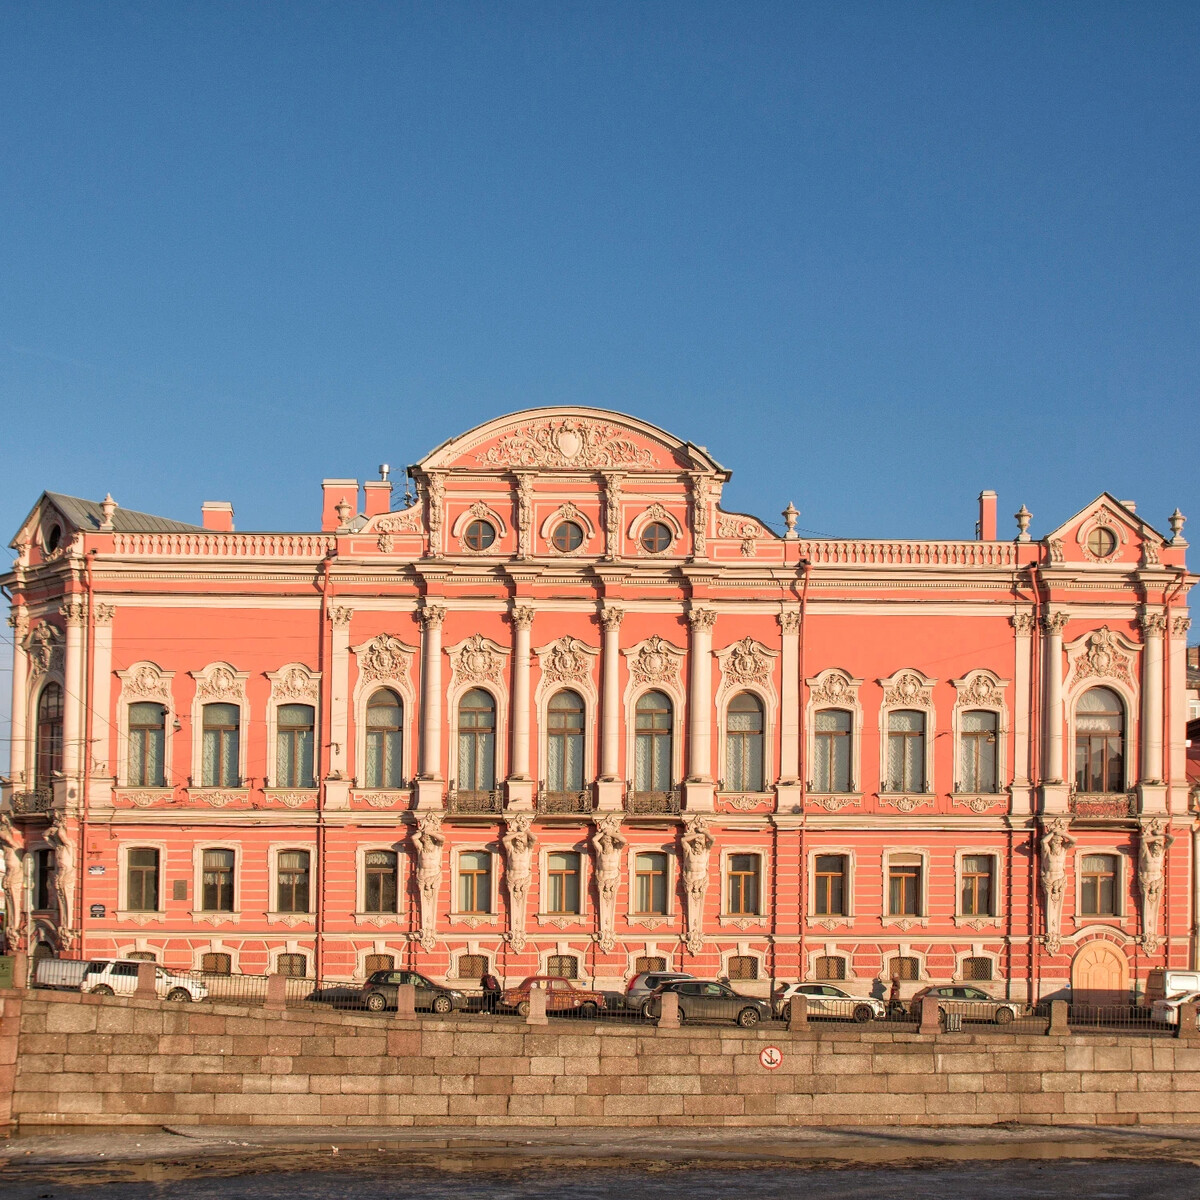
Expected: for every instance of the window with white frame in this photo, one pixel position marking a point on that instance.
(904, 879)
(563, 872)
(650, 884)
(1099, 885)
(294, 745)
(141, 879)
(743, 884)
(906, 751)
(48, 760)
(978, 740)
(292, 881)
(217, 880)
(1100, 741)
(477, 742)
(831, 885)
(652, 747)
(385, 740)
(977, 886)
(564, 743)
(222, 729)
(744, 755)
(475, 881)
(832, 745)
(146, 764)
(380, 881)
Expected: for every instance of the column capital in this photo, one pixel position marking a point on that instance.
(432, 616)
(1180, 626)
(340, 616)
(789, 620)
(1154, 624)
(1055, 622)
(702, 619)
(1022, 623)
(611, 617)
(19, 620)
(522, 616)
(74, 612)
(105, 613)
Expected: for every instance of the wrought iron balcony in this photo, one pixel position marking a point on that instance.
(653, 804)
(564, 803)
(472, 803)
(1109, 805)
(40, 800)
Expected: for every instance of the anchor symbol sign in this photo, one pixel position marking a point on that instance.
(771, 1058)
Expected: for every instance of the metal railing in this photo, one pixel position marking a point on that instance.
(653, 804)
(472, 803)
(564, 803)
(40, 800)
(1103, 804)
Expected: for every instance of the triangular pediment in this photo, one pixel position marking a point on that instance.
(1131, 539)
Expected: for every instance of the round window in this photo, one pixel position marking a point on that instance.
(1102, 542)
(480, 535)
(567, 536)
(656, 537)
(53, 538)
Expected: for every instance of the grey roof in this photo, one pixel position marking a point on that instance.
(86, 515)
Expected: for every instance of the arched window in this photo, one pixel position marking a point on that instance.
(294, 746)
(652, 751)
(1100, 742)
(564, 743)
(906, 751)
(385, 728)
(49, 734)
(831, 771)
(477, 742)
(221, 729)
(744, 744)
(977, 752)
(147, 742)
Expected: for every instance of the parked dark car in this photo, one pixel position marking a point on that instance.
(970, 1003)
(708, 1000)
(379, 992)
(642, 986)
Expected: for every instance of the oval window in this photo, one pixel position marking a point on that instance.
(1102, 542)
(567, 536)
(480, 535)
(656, 537)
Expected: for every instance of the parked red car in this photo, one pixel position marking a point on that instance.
(561, 996)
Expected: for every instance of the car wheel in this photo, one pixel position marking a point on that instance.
(645, 1010)
(523, 1009)
(442, 1005)
(376, 1002)
(863, 1013)
(179, 995)
(1004, 1016)
(748, 1017)
(102, 989)
(588, 1010)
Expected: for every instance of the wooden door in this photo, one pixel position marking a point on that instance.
(1099, 974)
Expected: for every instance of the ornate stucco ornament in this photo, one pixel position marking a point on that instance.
(1104, 658)
(608, 844)
(221, 684)
(295, 683)
(1054, 845)
(477, 659)
(518, 843)
(383, 657)
(656, 661)
(746, 661)
(569, 444)
(697, 847)
(567, 660)
(907, 688)
(45, 648)
(745, 529)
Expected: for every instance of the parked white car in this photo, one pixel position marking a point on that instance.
(826, 1000)
(1166, 1012)
(119, 978)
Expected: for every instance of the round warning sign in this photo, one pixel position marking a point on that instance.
(771, 1058)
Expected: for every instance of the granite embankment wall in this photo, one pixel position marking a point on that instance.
(67, 1059)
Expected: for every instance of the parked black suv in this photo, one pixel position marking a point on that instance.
(379, 992)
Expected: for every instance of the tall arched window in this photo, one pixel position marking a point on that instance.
(221, 729)
(294, 746)
(977, 752)
(147, 742)
(652, 751)
(831, 738)
(49, 734)
(1100, 741)
(477, 742)
(906, 751)
(385, 725)
(564, 743)
(744, 744)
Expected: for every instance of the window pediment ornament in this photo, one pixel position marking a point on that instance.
(45, 649)
(746, 661)
(1103, 518)
(479, 511)
(294, 683)
(220, 683)
(567, 512)
(567, 660)
(908, 689)
(1103, 654)
(655, 660)
(834, 688)
(384, 657)
(980, 689)
(571, 444)
(477, 659)
(146, 681)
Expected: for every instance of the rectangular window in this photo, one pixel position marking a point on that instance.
(906, 751)
(292, 882)
(475, 882)
(1098, 890)
(562, 883)
(218, 881)
(976, 898)
(904, 886)
(977, 753)
(830, 966)
(977, 970)
(378, 962)
(380, 893)
(831, 771)
(472, 966)
(904, 968)
(830, 883)
(743, 884)
(43, 866)
(743, 966)
(649, 962)
(566, 965)
(650, 884)
(216, 964)
(141, 879)
(294, 966)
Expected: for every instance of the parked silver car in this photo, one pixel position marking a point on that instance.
(637, 994)
(826, 1000)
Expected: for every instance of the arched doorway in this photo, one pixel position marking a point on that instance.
(1099, 974)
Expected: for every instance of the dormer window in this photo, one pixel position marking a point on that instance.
(53, 538)
(1102, 542)
(567, 536)
(479, 535)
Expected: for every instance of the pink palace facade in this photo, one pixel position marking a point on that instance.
(565, 714)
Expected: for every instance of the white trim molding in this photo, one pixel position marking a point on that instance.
(749, 666)
(980, 690)
(219, 683)
(144, 682)
(907, 689)
(292, 684)
(835, 688)
(383, 662)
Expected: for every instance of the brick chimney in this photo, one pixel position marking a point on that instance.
(986, 530)
(335, 491)
(377, 497)
(217, 515)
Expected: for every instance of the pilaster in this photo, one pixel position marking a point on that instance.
(431, 784)
(19, 620)
(1022, 791)
(1055, 791)
(699, 788)
(610, 788)
(339, 693)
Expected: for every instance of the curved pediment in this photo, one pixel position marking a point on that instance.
(568, 438)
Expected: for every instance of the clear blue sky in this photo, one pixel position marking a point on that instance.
(875, 256)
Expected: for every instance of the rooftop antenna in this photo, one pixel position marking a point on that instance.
(408, 496)
(384, 471)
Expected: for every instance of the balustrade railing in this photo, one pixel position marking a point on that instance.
(1103, 804)
(564, 803)
(653, 804)
(474, 803)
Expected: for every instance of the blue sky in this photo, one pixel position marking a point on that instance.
(875, 256)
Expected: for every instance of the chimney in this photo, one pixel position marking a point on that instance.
(217, 515)
(377, 495)
(986, 530)
(335, 492)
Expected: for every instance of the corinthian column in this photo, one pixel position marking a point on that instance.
(700, 781)
(789, 723)
(522, 620)
(1022, 624)
(75, 612)
(1153, 790)
(1054, 789)
(429, 789)
(609, 787)
(19, 620)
